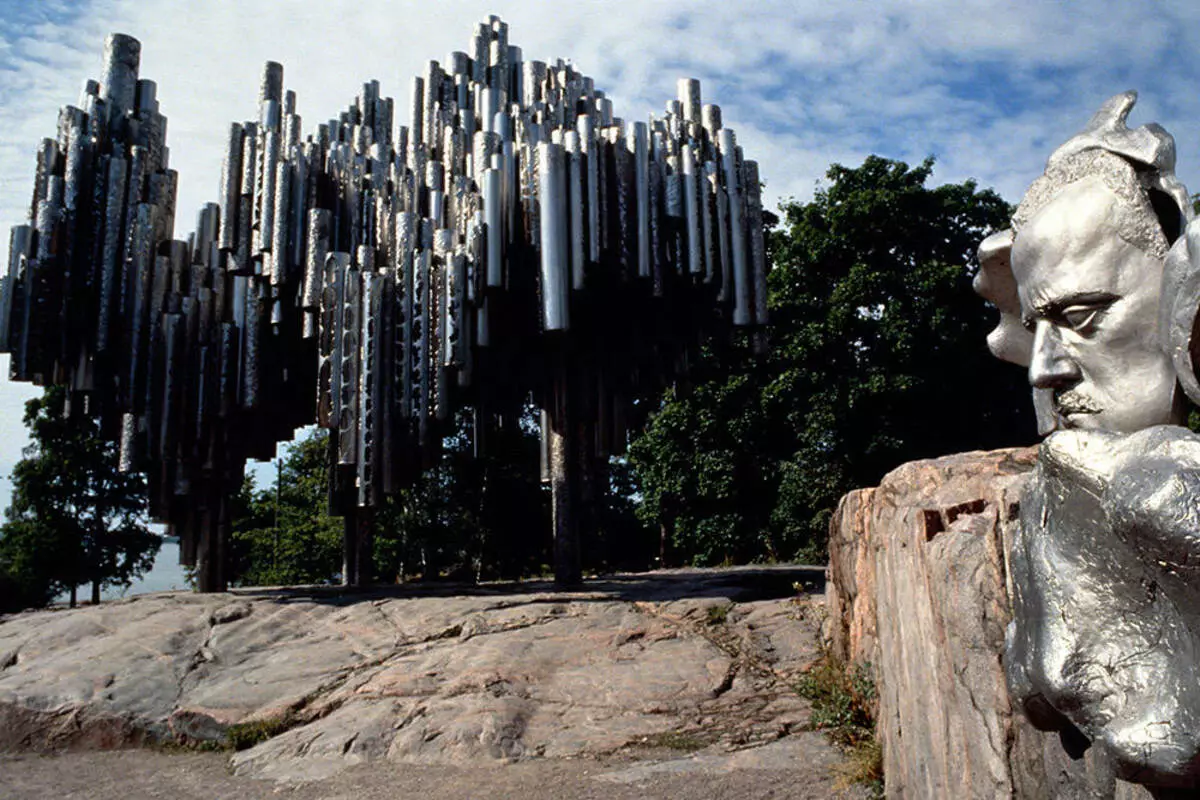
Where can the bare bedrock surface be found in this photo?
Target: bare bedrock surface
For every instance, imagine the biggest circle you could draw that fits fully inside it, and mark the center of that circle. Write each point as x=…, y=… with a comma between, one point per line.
x=672, y=684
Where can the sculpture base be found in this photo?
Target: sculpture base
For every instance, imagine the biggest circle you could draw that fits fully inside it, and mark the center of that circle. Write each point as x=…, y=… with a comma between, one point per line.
x=918, y=589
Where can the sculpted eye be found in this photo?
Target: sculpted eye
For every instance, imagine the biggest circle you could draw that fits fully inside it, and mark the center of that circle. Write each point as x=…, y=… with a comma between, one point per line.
x=1081, y=318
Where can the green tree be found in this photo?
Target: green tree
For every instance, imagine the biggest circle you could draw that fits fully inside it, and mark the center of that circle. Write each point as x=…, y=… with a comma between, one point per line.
x=283, y=534
x=877, y=357
x=74, y=518
x=466, y=517
x=471, y=516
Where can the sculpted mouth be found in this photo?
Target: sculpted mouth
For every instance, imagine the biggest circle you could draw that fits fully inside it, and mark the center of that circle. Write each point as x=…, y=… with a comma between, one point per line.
x=1071, y=402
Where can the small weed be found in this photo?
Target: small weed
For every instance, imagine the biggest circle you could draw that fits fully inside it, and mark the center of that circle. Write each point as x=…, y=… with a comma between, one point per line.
x=173, y=746
x=673, y=740
x=843, y=705
x=244, y=735
x=717, y=615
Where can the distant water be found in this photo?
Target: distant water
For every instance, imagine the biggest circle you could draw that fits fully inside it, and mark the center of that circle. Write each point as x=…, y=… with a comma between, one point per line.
x=165, y=575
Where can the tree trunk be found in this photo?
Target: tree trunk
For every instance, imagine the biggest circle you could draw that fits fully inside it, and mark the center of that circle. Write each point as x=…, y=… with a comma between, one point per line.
x=95, y=593
x=74, y=595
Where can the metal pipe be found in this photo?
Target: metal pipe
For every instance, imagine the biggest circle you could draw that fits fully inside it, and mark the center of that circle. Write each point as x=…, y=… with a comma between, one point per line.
x=758, y=253
x=494, y=228
x=277, y=259
x=122, y=56
x=641, y=158
x=349, y=364
x=368, y=388
x=554, y=258
x=737, y=232
x=111, y=259
x=691, y=211
x=314, y=261
x=588, y=148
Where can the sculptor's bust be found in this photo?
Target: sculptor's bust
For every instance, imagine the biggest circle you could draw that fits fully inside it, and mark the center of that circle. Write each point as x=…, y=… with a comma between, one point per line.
x=1098, y=286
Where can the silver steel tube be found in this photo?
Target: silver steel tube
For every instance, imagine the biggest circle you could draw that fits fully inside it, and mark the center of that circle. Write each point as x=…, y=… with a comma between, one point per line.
x=368, y=388
x=111, y=260
x=251, y=341
x=742, y=311
x=554, y=260
x=495, y=231
x=758, y=253
x=421, y=345
x=122, y=56
x=455, y=280
x=578, y=214
x=641, y=159
x=231, y=188
x=587, y=143
x=691, y=211
x=349, y=364
x=270, y=92
x=314, y=261
x=707, y=175
x=405, y=244
x=278, y=257
x=265, y=194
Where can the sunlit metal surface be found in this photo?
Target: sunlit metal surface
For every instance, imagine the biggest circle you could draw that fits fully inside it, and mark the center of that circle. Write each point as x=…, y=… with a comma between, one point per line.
x=373, y=277
x=1098, y=285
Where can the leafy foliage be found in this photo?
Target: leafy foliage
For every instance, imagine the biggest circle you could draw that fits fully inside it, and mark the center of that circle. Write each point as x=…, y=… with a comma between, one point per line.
x=844, y=703
x=467, y=517
x=470, y=517
x=877, y=357
x=282, y=535
x=74, y=517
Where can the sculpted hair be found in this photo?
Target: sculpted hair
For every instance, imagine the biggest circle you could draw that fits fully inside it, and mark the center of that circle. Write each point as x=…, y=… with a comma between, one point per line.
x=1138, y=222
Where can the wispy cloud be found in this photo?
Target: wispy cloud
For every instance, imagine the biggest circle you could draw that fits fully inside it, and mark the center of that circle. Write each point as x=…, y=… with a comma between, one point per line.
x=989, y=88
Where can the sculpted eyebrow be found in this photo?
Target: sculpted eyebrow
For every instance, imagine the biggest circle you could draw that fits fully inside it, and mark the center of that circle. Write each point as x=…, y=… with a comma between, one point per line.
x=1053, y=309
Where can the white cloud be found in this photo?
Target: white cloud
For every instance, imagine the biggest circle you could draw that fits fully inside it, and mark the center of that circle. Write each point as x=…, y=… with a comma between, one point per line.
x=989, y=88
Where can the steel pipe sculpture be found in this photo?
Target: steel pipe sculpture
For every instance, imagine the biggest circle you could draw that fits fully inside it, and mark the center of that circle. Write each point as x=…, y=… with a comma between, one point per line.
x=374, y=278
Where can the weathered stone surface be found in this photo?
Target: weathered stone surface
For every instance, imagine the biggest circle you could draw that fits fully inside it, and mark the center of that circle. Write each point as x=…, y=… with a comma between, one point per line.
x=917, y=588
x=850, y=587
x=420, y=676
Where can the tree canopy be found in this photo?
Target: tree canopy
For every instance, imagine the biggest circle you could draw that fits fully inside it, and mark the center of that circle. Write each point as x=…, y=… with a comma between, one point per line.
x=75, y=518
x=877, y=357
x=282, y=534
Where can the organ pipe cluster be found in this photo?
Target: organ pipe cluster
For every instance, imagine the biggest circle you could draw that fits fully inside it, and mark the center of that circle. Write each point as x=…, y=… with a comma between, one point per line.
x=372, y=277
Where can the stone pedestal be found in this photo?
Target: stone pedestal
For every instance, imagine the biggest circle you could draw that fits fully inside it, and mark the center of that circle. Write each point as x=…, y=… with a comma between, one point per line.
x=918, y=589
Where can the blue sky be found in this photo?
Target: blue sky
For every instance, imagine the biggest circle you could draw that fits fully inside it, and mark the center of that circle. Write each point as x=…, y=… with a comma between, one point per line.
x=988, y=87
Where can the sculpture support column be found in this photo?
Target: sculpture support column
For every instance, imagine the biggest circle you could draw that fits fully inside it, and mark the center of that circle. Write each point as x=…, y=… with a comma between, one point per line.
x=564, y=475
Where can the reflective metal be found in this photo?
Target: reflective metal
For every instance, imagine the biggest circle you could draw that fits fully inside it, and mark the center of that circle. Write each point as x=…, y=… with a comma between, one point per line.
x=1105, y=639
x=641, y=160
x=198, y=349
x=552, y=200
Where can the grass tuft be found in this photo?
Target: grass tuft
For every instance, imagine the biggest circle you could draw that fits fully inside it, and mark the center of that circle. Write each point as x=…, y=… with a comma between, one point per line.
x=843, y=706
x=718, y=614
x=244, y=735
x=673, y=740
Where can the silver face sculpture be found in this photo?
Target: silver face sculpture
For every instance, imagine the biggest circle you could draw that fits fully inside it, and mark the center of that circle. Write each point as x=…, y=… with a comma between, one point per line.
x=1098, y=284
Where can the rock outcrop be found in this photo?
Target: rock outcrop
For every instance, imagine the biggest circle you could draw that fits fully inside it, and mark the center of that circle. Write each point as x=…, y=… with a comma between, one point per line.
x=917, y=589
x=691, y=660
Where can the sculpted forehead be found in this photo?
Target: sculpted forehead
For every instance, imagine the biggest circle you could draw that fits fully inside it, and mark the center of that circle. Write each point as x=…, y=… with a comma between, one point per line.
x=1072, y=247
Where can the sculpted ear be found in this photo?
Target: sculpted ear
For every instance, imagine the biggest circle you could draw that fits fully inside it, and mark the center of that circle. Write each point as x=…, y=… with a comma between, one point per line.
x=1179, y=322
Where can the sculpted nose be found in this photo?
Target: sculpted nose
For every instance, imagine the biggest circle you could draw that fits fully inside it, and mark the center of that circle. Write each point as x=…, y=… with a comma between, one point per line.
x=1050, y=367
